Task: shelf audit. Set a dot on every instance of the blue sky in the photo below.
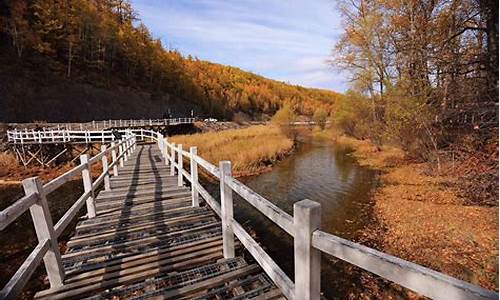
(287, 40)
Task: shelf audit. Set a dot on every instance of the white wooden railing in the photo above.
(47, 233)
(96, 125)
(309, 240)
(66, 136)
(303, 226)
(90, 132)
(106, 124)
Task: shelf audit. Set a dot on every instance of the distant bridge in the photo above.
(44, 145)
(154, 231)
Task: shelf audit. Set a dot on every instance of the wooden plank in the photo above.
(210, 283)
(135, 260)
(307, 219)
(70, 213)
(81, 240)
(186, 175)
(208, 166)
(141, 194)
(126, 279)
(271, 294)
(142, 241)
(146, 176)
(62, 179)
(209, 199)
(88, 186)
(107, 195)
(44, 228)
(168, 205)
(226, 199)
(270, 210)
(150, 183)
(110, 220)
(12, 212)
(124, 257)
(194, 177)
(160, 266)
(422, 280)
(132, 189)
(140, 202)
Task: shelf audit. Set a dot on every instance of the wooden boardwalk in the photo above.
(147, 241)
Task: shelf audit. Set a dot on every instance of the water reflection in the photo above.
(321, 172)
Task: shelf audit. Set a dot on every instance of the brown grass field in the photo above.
(251, 150)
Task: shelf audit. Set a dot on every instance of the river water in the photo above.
(317, 170)
(323, 172)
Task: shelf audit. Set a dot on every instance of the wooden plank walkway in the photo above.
(147, 241)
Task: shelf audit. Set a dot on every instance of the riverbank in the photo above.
(251, 150)
(421, 217)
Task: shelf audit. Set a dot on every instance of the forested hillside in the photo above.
(100, 53)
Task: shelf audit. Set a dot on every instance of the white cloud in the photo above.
(284, 40)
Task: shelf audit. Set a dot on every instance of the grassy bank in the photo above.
(251, 150)
(422, 218)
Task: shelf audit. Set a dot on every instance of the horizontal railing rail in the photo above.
(35, 201)
(309, 240)
(112, 123)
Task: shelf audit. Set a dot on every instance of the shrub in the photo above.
(353, 115)
(283, 119)
(320, 116)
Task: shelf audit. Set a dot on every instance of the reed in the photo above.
(251, 150)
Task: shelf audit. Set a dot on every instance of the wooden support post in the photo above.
(105, 169)
(113, 157)
(226, 200)
(194, 176)
(44, 228)
(306, 219)
(172, 157)
(180, 181)
(87, 185)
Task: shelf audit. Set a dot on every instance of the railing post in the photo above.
(159, 138)
(120, 149)
(172, 157)
(306, 219)
(165, 151)
(125, 148)
(87, 185)
(113, 157)
(193, 151)
(180, 181)
(44, 228)
(226, 200)
(105, 169)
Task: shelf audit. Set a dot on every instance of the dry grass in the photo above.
(424, 219)
(427, 222)
(251, 150)
(8, 163)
